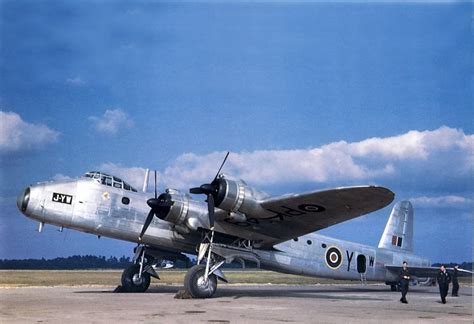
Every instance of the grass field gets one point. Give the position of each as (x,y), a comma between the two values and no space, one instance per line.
(42,278)
(28,278)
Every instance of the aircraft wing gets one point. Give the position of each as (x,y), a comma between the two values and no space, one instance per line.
(428,272)
(286,217)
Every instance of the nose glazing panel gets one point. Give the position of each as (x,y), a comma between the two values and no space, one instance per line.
(23,199)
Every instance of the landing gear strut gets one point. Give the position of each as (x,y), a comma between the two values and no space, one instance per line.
(201,280)
(136,278)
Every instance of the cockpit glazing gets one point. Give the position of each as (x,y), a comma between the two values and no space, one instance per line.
(109,180)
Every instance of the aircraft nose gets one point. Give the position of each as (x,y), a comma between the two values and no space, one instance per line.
(23,199)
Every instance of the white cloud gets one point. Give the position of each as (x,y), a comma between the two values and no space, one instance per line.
(368,160)
(428,156)
(413,145)
(60,176)
(16,135)
(75,81)
(450,201)
(112,121)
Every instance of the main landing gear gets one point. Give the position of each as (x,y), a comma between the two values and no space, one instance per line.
(136,278)
(134,281)
(201,280)
(196,283)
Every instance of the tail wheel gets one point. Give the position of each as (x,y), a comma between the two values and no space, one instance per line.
(196,285)
(133,282)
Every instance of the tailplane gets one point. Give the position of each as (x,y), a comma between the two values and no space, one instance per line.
(398,233)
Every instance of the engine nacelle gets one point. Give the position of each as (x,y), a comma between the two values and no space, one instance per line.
(180,216)
(236,197)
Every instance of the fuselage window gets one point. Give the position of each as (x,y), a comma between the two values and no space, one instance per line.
(125,200)
(118,185)
(295,239)
(323,245)
(309,242)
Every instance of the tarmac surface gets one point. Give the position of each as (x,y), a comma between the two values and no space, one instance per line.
(234,304)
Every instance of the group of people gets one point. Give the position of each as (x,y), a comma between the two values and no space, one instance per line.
(443,278)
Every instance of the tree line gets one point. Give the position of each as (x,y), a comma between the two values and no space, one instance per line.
(82,262)
(77,262)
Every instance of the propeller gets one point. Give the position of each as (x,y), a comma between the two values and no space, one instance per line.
(210,189)
(159,207)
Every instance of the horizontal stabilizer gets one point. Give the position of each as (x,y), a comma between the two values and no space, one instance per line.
(425,272)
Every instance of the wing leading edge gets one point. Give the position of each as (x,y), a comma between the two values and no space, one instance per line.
(286,217)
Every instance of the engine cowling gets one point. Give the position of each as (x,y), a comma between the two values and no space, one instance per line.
(179,214)
(235,196)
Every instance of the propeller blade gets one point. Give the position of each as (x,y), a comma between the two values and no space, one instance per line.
(223,162)
(155,185)
(148,220)
(196,191)
(210,209)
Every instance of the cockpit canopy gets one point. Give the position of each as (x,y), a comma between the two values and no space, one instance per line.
(109,180)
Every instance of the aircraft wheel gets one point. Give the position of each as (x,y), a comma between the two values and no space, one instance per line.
(196,285)
(131,281)
(393,287)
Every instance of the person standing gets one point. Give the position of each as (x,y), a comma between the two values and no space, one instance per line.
(404,277)
(443,282)
(455,281)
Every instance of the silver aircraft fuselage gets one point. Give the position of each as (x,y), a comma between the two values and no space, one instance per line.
(307,255)
(86,205)
(103,211)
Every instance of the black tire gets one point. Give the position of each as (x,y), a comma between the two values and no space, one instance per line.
(393,287)
(130,285)
(194,282)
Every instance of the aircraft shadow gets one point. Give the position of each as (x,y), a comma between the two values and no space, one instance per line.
(236,292)
(296,293)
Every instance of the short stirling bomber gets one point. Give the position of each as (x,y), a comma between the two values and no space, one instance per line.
(234,226)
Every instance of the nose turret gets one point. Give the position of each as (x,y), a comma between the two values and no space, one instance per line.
(23,200)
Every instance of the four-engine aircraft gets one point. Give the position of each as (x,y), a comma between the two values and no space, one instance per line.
(234,226)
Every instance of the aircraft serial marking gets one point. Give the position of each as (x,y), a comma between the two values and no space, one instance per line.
(62,198)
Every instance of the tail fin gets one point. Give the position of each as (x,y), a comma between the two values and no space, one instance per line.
(398,233)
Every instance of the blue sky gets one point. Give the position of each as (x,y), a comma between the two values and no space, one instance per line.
(305,95)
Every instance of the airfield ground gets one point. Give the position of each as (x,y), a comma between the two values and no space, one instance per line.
(87,296)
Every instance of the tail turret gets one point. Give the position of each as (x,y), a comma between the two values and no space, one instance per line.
(398,233)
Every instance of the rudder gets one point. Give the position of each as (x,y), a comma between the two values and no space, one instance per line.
(398,233)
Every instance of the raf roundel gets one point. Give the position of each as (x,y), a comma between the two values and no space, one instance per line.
(333,257)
